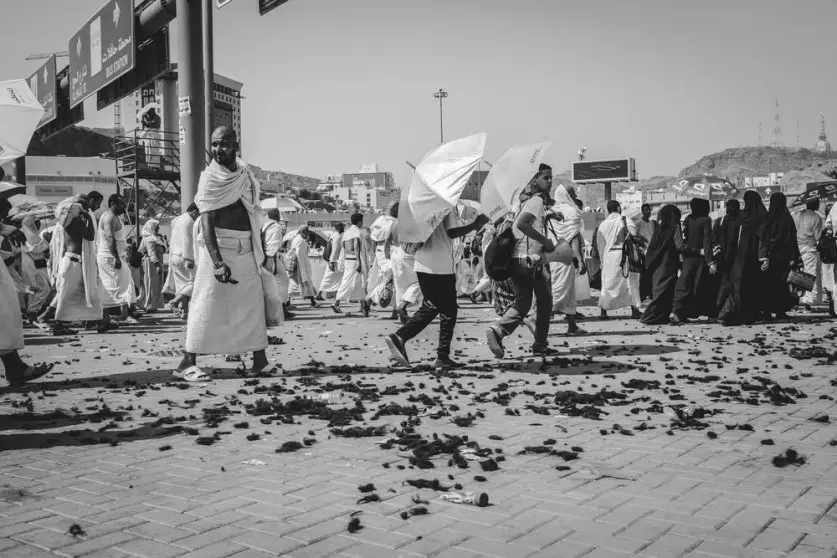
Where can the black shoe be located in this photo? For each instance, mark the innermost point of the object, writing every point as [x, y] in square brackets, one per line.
[364, 307]
[289, 315]
[473, 297]
[445, 363]
[495, 342]
[394, 315]
[545, 352]
[831, 311]
[396, 347]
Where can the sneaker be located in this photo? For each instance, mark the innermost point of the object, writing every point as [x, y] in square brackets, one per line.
[396, 347]
[495, 342]
[545, 352]
[445, 363]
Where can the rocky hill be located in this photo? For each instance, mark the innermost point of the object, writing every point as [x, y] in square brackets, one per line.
[740, 162]
[75, 141]
[282, 181]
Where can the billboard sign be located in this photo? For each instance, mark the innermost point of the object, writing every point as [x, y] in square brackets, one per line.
[44, 85]
[616, 170]
[267, 5]
[102, 50]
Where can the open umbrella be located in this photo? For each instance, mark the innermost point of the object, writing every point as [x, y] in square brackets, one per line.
[23, 206]
[705, 187]
[817, 191]
[8, 189]
[468, 210]
[20, 114]
[436, 186]
[509, 175]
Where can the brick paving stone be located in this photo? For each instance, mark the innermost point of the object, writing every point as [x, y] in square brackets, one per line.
[776, 540]
[493, 548]
[26, 551]
[734, 551]
[617, 543]
[101, 543]
[804, 551]
[147, 548]
[324, 548]
[670, 545]
[435, 542]
[267, 543]
[564, 548]
[221, 549]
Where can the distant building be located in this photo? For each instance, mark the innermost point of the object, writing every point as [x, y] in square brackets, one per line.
[772, 179]
[822, 145]
[52, 179]
[164, 92]
[377, 180]
[364, 197]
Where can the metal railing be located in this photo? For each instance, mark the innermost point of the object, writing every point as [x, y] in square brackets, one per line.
[147, 150]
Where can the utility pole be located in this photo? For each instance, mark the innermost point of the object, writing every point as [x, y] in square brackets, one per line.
[191, 97]
[208, 74]
[441, 94]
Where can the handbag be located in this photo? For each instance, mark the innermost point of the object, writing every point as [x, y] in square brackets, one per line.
[801, 280]
[632, 255]
[827, 248]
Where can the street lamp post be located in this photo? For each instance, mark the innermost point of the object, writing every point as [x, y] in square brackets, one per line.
[441, 94]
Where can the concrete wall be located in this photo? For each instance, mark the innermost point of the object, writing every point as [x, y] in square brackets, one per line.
[55, 178]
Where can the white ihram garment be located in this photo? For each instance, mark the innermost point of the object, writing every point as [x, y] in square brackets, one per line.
[617, 291]
[808, 231]
[181, 276]
[225, 317]
[332, 277]
[564, 275]
[117, 284]
[353, 284]
[406, 281]
[11, 326]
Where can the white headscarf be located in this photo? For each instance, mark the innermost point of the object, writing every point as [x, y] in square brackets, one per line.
[572, 223]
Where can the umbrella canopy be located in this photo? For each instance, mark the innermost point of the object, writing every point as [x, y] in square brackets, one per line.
[23, 206]
[142, 112]
[323, 236]
[468, 210]
[817, 191]
[509, 175]
[705, 187]
[20, 114]
[436, 186]
[286, 205]
[8, 189]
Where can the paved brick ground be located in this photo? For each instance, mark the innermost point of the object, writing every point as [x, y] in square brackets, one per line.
[108, 443]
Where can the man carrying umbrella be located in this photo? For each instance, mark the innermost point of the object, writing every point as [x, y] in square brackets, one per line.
[434, 268]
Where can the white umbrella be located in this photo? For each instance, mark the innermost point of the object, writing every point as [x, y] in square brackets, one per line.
[509, 175]
[24, 205]
[8, 189]
[20, 114]
[468, 210]
[436, 186]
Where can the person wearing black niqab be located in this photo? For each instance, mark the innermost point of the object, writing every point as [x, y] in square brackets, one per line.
[693, 296]
[783, 254]
[746, 281]
[725, 243]
[662, 261]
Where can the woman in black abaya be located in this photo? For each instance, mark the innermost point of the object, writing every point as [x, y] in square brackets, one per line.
[746, 294]
[662, 260]
[725, 240]
[783, 254]
[693, 296]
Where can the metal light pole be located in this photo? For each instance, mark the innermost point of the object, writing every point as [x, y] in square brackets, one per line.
[441, 94]
[191, 97]
[208, 74]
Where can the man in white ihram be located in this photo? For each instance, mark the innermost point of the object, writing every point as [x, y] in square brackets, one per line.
[227, 312]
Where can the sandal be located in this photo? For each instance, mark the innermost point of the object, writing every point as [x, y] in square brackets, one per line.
[192, 374]
[31, 373]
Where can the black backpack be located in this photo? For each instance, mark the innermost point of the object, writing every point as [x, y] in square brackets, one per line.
[633, 259]
[498, 253]
[327, 252]
[827, 248]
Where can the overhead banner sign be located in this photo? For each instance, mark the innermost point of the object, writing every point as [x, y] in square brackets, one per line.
[152, 62]
[267, 5]
[64, 115]
[103, 50]
[44, 85]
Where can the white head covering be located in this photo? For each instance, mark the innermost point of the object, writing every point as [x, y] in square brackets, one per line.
[572, 223]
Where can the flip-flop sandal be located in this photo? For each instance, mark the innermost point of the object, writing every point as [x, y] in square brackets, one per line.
[129, 320]
[31, 373]
[192, 374]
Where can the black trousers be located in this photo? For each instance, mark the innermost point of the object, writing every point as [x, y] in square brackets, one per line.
[439, 292]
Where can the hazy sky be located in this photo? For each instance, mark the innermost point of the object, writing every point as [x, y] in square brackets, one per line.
[333, 84]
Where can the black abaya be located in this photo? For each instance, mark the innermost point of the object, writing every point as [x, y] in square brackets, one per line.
[662, 262]
[747, 288]
[783, 252]
[693, 296]
[725, 236]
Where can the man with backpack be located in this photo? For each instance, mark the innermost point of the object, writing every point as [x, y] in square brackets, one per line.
[619, 289]
[331, 256]
[434, 266]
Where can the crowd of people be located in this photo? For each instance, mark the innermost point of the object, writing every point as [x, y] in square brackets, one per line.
[233, 269]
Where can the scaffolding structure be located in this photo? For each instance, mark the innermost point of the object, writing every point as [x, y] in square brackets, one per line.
[148, 174]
